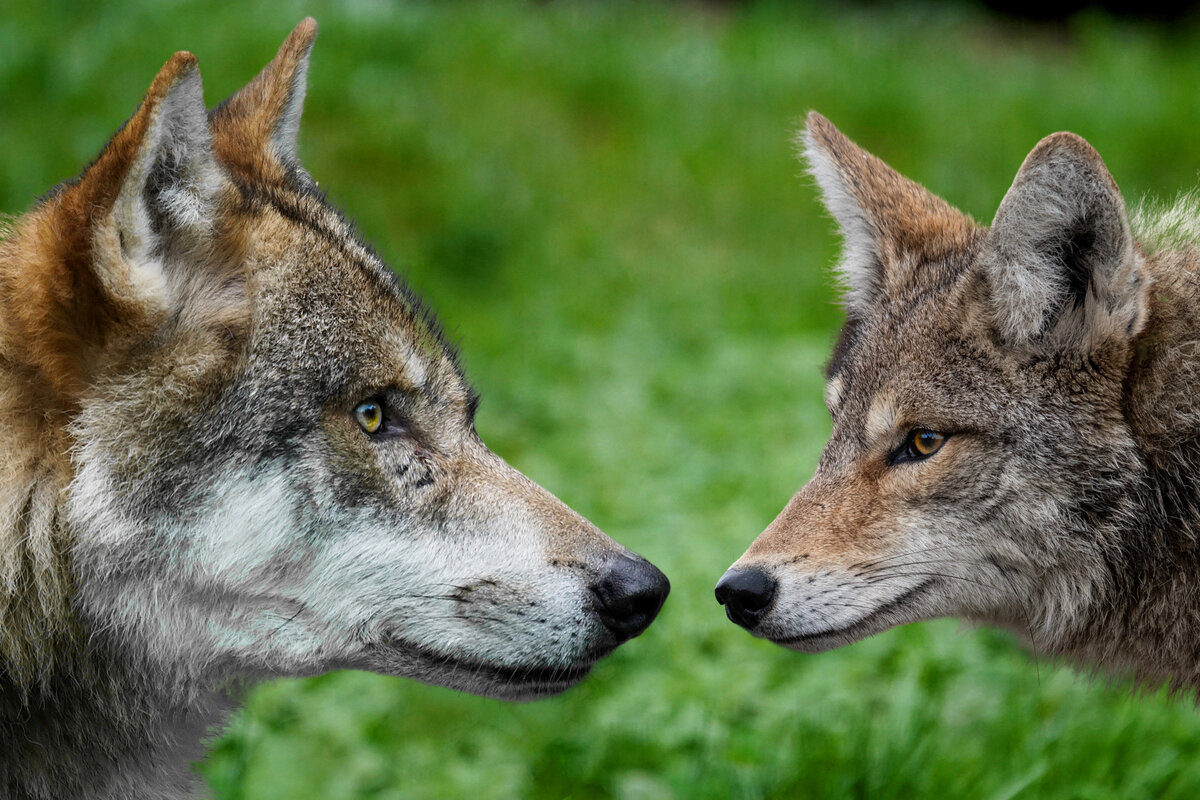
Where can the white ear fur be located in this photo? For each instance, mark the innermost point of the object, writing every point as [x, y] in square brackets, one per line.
[167, 197]
[287, 130]
[860, 268]
[890, 224]
[1060, 258]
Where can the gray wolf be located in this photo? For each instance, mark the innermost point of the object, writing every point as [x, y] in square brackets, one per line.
[237, 447]
[1016, 423]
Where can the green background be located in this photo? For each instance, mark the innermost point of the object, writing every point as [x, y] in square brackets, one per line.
[601, 201]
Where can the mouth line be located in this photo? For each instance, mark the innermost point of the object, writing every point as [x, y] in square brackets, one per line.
[513, 676]
[862, 622]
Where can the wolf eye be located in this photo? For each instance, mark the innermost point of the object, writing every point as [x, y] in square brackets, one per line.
[921, 444]
[369, 414]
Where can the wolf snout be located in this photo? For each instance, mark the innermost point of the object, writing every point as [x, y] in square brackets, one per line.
[629, 594]
[745, 593]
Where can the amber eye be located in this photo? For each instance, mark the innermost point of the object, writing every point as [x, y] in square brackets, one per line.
[369, 414]
[927, 443]
[921, 444]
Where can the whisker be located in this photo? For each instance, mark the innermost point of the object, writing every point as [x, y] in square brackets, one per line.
[855, 605]
[922, 574]
[268, 636]
[1037, 664]
[867, 563]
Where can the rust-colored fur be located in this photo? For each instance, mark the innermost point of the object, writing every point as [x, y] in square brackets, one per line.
[68, 315]
[236, 446]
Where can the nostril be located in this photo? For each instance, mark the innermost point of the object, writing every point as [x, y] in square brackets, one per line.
[646, 603]
[745, 593]
[629, 594]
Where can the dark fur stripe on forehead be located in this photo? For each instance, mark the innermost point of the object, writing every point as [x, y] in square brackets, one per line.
[930, 282]
[292, 204]
[847, 338]
[938, 278]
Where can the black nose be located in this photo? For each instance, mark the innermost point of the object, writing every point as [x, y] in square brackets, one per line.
[629, 594]
[745, 593]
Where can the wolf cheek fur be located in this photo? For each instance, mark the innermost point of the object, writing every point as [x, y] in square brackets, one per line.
[237, 446]
[1016, 430]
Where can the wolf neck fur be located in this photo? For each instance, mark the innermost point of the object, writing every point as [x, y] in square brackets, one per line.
[1146, 626]
[36, 624]
[104, 723]
[77, 706]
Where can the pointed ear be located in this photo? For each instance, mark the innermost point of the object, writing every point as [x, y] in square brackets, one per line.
[254, 132]
[158, 183]
[93, 264]
[889, 224]
[1060, 259]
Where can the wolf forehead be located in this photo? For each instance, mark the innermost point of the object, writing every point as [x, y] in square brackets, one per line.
[319, 293]
[924, 330]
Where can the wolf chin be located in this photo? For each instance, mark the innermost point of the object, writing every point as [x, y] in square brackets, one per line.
[237, 447]
[1016, 423]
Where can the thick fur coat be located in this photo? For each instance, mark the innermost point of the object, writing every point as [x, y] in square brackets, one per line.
[236, 446]
[1016, 423]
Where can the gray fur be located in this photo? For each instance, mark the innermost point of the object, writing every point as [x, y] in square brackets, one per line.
[1059, 356]
[188, 503]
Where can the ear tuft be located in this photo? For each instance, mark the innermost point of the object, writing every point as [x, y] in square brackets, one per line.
[168, 182]
[100, 255]
[1060, 258]
[889, 224]
[152, 189]
[255, 130]
[861, 269]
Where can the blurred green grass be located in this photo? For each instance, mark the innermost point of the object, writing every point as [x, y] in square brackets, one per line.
[602, 203]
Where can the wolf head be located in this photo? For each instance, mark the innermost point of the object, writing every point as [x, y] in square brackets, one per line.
[265, 450]
[980, 463]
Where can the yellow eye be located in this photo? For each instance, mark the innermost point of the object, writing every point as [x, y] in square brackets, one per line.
[924, 443]
[369, 414]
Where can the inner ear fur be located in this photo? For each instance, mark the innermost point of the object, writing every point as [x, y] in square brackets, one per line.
[889, 223]
[128, 246]
[1060, 259]
[85, 266]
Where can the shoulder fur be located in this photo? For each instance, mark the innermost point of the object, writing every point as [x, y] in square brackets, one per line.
[34, 468]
